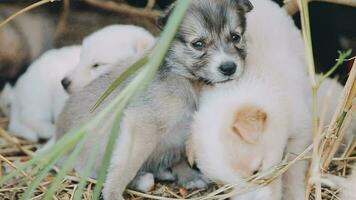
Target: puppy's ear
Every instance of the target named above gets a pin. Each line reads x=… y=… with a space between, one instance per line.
x=162 y=20
x=246 y=5
x=143 y=45
x=250 y=123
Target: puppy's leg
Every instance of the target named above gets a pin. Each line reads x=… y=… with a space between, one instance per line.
x=19 y=129
x=188 y=177
x=165 y=175
x=134 y=146
x=294 y=178
x=143 y=182
x=273 y=191
x=44 y=128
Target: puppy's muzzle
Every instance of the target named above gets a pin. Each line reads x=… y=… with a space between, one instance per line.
x=228 y=68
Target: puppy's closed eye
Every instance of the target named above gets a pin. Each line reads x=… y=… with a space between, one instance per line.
x=249 y=123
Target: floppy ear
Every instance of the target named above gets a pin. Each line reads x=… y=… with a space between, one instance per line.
x=246 y=5
x=162 y=19
x=143 y=45
x=249 y=124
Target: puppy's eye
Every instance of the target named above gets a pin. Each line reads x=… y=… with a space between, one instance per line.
x=198 y=45
x=255 y=172
x=96 y=65
x=236 y=38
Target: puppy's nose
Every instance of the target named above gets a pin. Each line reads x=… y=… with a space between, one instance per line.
x=228 y=68
x=65 y=83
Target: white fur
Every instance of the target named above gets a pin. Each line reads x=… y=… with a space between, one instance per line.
x=212 y=128
x=38 y=96
x=145 y=183
x=276 y=58
x=108 y=48
x=346 y=185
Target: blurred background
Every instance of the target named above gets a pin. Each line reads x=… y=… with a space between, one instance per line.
x=67 y=22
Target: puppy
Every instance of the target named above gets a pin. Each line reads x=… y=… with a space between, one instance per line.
x=29 y=35
x=38 y=96
x=105 y=49
x=248 y=124
x=209 y=49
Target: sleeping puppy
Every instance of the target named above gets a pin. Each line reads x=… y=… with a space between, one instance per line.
x=248 y=125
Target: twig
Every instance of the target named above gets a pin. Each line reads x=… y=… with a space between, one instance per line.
x=331 y=144
x=125 y=9
x=150 y=4
x=63 y=18
x=28 y=8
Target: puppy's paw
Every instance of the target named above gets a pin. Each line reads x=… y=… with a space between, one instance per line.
x=195 y=181
x=145 y=183
x=165 y=175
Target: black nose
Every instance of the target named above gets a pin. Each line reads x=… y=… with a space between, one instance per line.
x=65 y=83
x=228 y=68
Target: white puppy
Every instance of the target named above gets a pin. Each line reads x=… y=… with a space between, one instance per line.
x=248 y=125
x=276 y=58
x=38 y=96
x=105 y=49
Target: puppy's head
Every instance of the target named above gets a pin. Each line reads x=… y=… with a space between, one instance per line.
x=102 y=51
x=238 y=137
x=245 y=140
x=210 y=44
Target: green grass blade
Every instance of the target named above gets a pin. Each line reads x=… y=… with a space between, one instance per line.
x=68 y=165
x=39 y=177
x=83 y=179
x=108 y=153
x=126 y=74
x=342 y=57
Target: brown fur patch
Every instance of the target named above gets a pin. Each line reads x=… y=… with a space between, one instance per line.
x=249 y=123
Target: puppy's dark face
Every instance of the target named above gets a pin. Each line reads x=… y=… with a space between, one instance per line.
x=210 y=44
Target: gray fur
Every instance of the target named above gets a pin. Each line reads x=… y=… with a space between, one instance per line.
x=155 y=125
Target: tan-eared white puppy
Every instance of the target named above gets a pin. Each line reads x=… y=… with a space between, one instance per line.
x=38 y=97
x=276 y=58
x=248 y=125
x=106 y=49
x=242 y=130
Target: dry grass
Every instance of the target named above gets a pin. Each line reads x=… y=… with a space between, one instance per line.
x=14 y=151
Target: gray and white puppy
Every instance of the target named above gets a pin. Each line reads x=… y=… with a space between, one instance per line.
x=209 y=49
